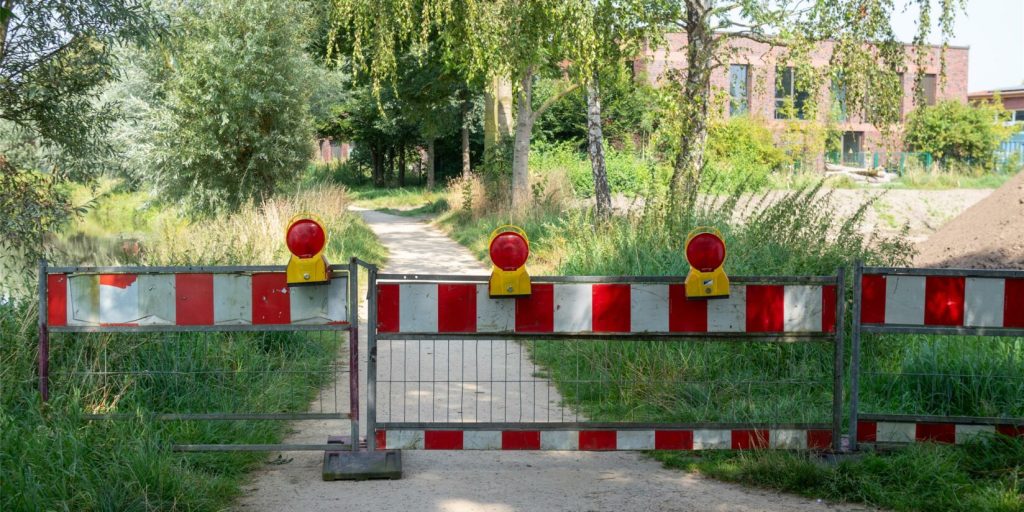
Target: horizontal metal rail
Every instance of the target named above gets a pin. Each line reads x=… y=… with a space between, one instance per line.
x=224 y=416
x=429 y=278
x=594 y=425
x=954 y=272
x=918 y=418
x=590 y=336
x=338 y=326
x=339 y=270
x=921 y=329
x=333 y=447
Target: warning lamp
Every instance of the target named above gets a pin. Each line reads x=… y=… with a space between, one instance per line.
x=509 y=248
x=705 y=251
x=306 y=239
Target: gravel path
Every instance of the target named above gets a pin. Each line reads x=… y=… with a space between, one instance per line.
x=472 y=481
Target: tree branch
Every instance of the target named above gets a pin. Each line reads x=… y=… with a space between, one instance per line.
x=548 y=103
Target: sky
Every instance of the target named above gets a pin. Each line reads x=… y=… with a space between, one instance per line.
x=994 y=30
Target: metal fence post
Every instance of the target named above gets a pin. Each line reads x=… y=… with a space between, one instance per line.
x=44 y=335
x=837 y=383
x=371 y=360
x=353 y=349
x=855 y=354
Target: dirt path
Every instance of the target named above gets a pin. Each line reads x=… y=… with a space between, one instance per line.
x=487 y=480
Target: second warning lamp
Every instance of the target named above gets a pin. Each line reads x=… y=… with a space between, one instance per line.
x=509 y=249
x=705 y=252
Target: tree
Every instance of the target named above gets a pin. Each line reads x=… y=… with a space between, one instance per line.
x=951 y=130
x=237 y=122
x=502 y=41
x=55 y=57
x=866 y=58
x=602 y=34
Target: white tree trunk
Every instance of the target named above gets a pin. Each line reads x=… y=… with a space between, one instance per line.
x=497 y=113
x=521 y=146
x=430 y=163
x=595 y=148
x=465 y=139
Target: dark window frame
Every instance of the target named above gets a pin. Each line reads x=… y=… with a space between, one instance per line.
x=739 y=105
x=787 y=86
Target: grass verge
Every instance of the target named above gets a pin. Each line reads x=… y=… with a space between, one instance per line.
x=797 y=235
x=53 y=459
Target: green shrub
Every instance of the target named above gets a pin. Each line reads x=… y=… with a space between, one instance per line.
x=741 y=150
x=954 y=132
x=628 y=173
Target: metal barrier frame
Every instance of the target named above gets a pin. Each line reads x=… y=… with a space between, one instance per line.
x=350 y=271
x=837 y=339
x=858 y=327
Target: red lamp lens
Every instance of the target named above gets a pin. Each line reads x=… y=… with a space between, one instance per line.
x=305 y=238
x=509 y=250
x=705 y=252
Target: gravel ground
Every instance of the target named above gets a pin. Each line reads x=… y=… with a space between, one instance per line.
x=473 y=481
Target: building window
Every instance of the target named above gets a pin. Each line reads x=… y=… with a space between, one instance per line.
x=1018 y=116
x=739 y=89
x=789 y=98
x=927 y=87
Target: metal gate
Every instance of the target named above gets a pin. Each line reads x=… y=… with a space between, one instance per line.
x=131 y=338
x=593 y=363
x=945 y=399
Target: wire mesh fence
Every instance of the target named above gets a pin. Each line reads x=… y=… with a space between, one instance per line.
x=581 y=380
x=202 y=375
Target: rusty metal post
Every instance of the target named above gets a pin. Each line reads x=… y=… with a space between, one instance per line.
x=371 y=360
x=44 y=336
x=353 y=349
x=858 y=273
x=837 y=383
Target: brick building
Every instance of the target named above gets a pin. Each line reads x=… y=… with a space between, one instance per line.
x=749 y=84
x=1012 y=99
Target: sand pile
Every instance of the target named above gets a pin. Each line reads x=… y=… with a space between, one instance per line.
x=989 y=234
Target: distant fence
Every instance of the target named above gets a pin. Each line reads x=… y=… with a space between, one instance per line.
x=1012 y=150
x=893 y=161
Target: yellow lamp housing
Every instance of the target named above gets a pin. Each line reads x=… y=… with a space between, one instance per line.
x=306 y=238
x=509 y=249
x=705 y=251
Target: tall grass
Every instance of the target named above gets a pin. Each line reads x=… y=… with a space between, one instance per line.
x=790 y=233
x=53 y=459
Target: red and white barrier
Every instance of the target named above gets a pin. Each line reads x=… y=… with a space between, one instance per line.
x=618 y=308
x=892 y=432
x=604 y=440
x=109 y=301
x=942 y=301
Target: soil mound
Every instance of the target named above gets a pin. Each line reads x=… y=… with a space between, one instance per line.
x=989 y=234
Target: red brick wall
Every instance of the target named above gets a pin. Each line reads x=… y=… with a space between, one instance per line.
x=762 y=60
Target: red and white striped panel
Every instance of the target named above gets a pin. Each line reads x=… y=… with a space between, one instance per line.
x=890 y=432
x=605 y=440
x=571 y=308
x=942 y=301
x=152 y=300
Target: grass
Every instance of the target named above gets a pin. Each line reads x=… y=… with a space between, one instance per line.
x=401 y=201
x=986 y=474
x=712 y=381
x=52 y=459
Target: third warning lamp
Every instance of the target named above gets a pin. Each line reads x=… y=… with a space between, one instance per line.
x=509 y=248
x=705 y=252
